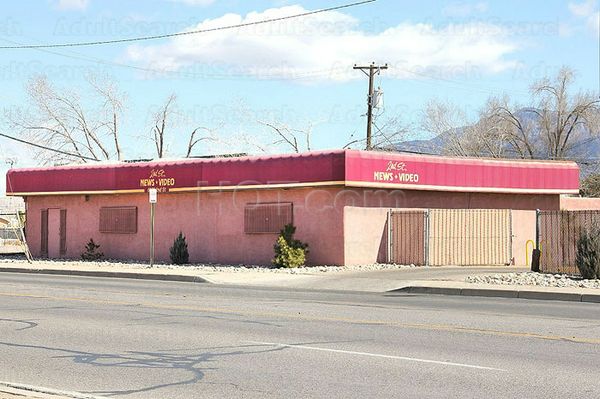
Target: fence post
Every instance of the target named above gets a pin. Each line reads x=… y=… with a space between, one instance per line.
x=389 y=237
x=536 y=253
x=426 y=233
x=537 y=228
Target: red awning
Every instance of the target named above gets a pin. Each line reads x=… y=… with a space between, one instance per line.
x=339 y=168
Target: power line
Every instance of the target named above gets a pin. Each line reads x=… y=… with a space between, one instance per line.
x=307 y=75
x=47 y=148
x=462 y=84
x=192 y=32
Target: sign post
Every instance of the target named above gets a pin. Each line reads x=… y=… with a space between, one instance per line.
x=152 y=197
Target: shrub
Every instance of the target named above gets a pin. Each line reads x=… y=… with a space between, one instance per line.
x=289 y=252
x=588 y=253
x=179 y=251
x=91 y=251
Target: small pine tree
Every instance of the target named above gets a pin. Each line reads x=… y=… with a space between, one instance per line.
x=588 y=253
x=289 y=252
x=91 y=252
x=179 y=251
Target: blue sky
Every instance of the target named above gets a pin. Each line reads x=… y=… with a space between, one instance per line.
x=298 y=73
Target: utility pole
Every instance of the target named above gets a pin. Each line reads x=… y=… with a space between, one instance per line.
x=372 y=71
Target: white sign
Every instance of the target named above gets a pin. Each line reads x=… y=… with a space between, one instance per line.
x=152 y=195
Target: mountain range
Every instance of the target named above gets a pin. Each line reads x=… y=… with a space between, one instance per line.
x=586 y=151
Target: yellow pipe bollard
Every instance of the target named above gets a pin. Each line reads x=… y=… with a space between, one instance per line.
x=527 y=251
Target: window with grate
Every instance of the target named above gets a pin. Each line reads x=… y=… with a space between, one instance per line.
x=267 y=217
x=118 y=220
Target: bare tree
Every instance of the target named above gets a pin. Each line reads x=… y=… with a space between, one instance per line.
x=112 y=107
x=385 y=136
x=513 y=134
x=296 y=140
x=590 y=186
x=62 y=119
x=159 y=121
x=445 y=119
x=169 y=116
x=209 y=135
x=555 y=124
x=564 y=119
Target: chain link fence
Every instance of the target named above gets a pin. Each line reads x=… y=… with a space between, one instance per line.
x=12 y=219
x=462 y=237
x=558 y=233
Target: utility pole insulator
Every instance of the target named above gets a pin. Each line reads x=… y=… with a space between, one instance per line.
x=372 y=99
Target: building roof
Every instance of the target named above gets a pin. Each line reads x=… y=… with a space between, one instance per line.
x=350 y=168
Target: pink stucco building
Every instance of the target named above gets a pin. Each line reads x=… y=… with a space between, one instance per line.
x=230 y=209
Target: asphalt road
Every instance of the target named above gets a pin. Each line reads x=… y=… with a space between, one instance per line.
x=144 y=339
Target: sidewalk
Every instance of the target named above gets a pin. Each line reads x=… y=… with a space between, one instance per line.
x=343 y=279
x=501 y=291
x=446 y=280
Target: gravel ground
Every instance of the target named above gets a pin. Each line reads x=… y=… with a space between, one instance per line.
x=17 y=261
x=537 y=279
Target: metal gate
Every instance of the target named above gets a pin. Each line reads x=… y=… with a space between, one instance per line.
x=462 y=237
x=408 y=235
x=558 y=232
x=470 y=237
x=11 y=234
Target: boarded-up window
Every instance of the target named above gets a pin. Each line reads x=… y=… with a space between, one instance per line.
x=267 y=217
x=118 y=220
x=44 y=234
x=63 y=232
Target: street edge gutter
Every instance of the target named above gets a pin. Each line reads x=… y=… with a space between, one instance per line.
x=497 y=293
x=41 y=392
x=107 y=274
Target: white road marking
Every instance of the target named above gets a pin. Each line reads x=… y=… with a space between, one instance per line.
x=410 y=359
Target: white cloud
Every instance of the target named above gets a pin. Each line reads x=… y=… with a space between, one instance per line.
x=328 y=42
x=588 y=11
x=72 y=4
x=583 y=9
x=83 y=4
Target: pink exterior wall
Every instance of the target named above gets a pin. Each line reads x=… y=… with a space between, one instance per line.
x=523 y=230
x=579 y=204
x=365 y=235
x=448 y=200
x=214 y=221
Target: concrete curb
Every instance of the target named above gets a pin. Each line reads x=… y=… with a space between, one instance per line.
x=42 y=393
x=107 y=274
x=499 y=293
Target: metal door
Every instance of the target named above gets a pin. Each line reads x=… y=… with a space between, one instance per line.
x=407 y=237
x=470 y=237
